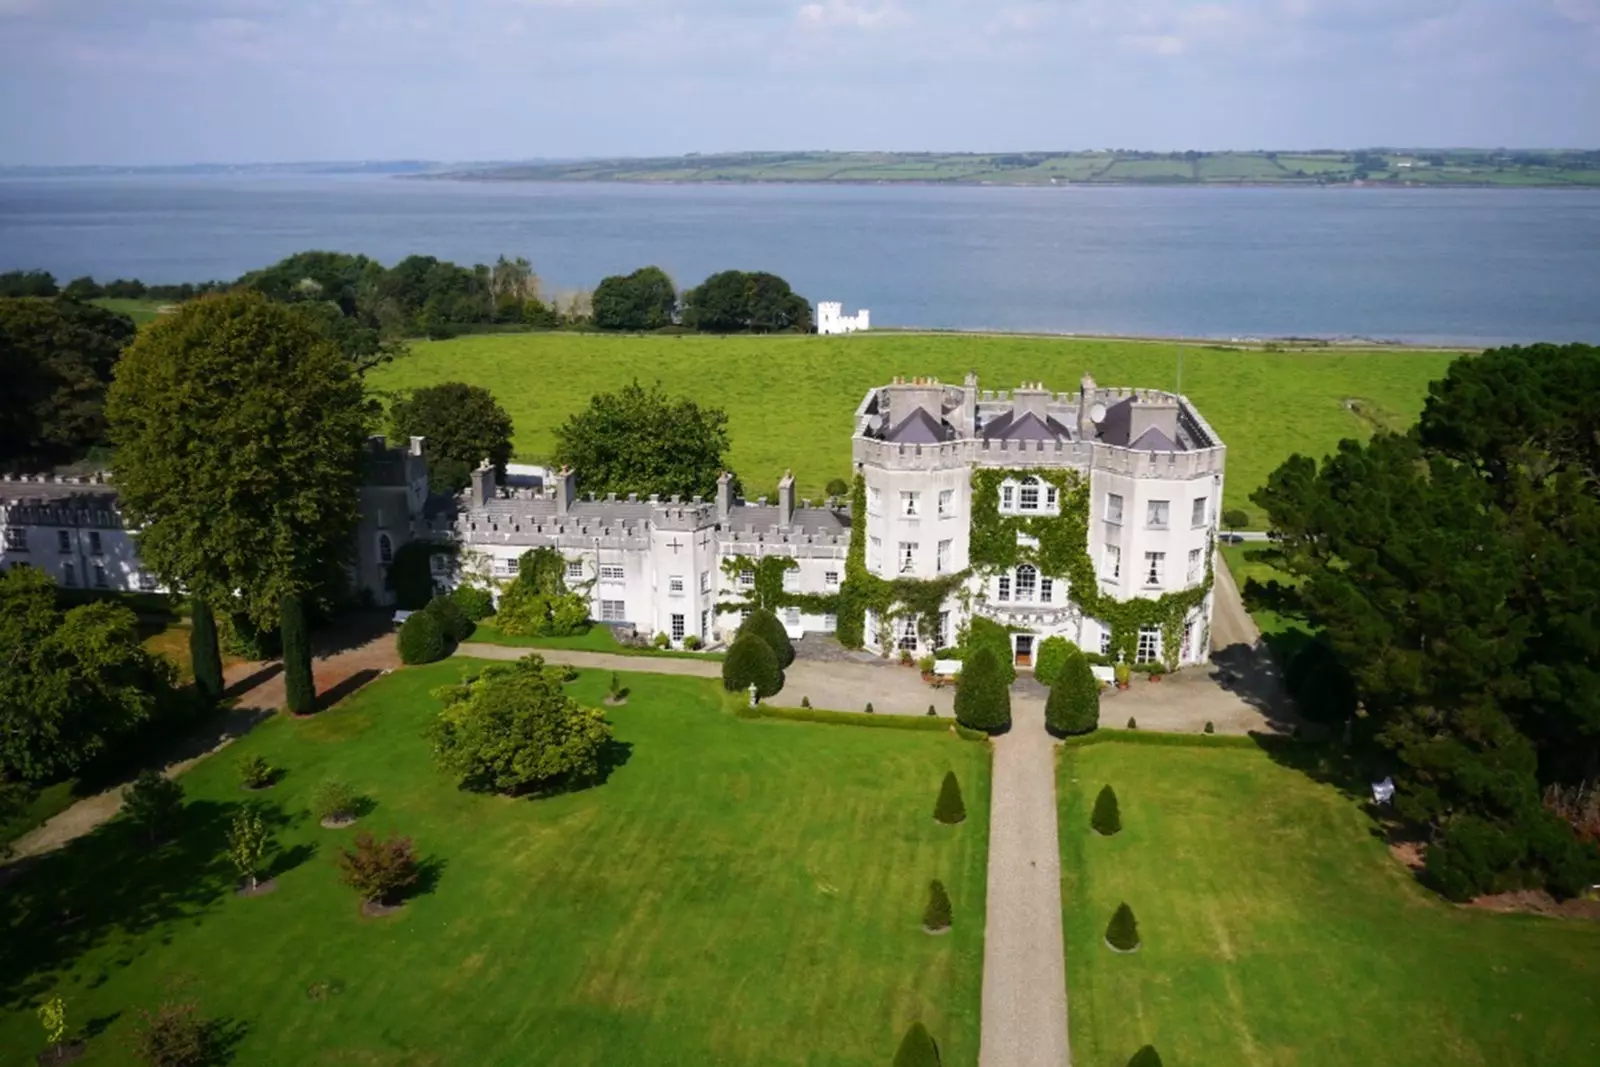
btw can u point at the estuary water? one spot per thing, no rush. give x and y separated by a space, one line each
1423 265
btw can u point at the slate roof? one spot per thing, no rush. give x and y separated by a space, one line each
1117 424
1154 440
1029 427
918 428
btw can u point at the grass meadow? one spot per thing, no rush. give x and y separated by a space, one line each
790 399
735 892
1278 931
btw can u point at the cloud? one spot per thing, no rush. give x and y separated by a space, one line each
832 13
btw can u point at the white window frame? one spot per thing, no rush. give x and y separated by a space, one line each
941 635
1148 649
613 610
508 565
1114 508
910 503
16 539
1158 514
574 569
1052 499
874 501
1027 587
947 499
791 580
1105 641
747 579
675 584
705 581
1155 568
942 556
830 579
875 552
613 572
1197 512
908 556
147 582
1028 496
1047 589
1008 497
1113 563
907 640
678 628
791 617
1196 561
1003 588
830 623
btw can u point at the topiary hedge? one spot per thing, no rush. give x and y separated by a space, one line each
985 633
936 916
1050 658
1146 1057
452 620
765 625
1122 933
475 602
422 639
1074 703
1107 816
983 696
751 660
950 808
917 1049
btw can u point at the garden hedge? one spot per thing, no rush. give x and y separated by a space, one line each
1049 659
1122 933
983 697
1074 704
950 808
765 625
475 603
751 660
1107 816
422 639
452 619
917 1049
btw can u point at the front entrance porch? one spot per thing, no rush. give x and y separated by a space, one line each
1022 650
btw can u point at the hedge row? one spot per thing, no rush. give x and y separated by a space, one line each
856 718
1155 737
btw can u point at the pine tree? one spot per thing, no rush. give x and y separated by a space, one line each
205 654
1122 933
950 809
936 916
917 1049
1107 817
299 688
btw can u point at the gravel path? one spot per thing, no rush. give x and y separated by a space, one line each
1024 962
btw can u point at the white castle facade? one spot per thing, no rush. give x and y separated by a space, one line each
1147 465
831 319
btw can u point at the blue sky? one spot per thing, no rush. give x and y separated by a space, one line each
147 81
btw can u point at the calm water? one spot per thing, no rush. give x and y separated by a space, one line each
1426 265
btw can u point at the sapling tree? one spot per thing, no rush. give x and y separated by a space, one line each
936 916
378 870
1107 816
153 803
334 801
173 1035
53 1017
949 808
247 845
254 772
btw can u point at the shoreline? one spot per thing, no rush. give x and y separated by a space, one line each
488 179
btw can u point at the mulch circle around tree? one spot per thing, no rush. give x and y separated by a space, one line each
66 1052
338 822
260 889
376 909
617 703
1124 951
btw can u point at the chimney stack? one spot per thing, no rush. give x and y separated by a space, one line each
1086 428
724 496
483 484
786 500
566 490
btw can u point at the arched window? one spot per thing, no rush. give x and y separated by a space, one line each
1027 583
385 549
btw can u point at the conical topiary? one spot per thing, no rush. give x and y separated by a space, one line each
917 1049
950 809
1146 1057
1133 723
765 625
936 916
1122 933
1107 817
983 696
1074 703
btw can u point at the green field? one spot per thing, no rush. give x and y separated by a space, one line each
738 892
791 400
141 312
1278 931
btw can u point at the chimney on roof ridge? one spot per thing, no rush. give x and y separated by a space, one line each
482 484
786 500
566 490
724 495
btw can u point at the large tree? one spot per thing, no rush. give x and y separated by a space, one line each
734 301
643 300
70 683
239 429
463 425
642 441
56 358
1453 573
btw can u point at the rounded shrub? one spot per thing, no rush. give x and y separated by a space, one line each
950 808
1050 658
869 707
475 603
765 625
805 702
932 713
1122 933
983 696
452 620
936 916
1146 1057
751 660
1211 728
1107 816
917 1049
421 639
1074 703
1133 724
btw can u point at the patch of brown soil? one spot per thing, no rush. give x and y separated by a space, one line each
338 822
374 909
1538 902
66 1052
260 889
1409 853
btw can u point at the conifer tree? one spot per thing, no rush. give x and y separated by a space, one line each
936 916
950 809
917 1049
1147 1056
1107 817
205 653
1122 933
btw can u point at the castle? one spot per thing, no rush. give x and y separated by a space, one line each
1047 513
832 319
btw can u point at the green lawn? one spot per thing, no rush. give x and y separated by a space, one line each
595 639
790 400
1277 930
141 312
1245 561
737 892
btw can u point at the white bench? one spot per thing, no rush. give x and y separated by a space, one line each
947 668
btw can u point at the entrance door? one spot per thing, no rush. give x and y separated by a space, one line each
1025 650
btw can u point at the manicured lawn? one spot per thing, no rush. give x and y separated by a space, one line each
1277 930
790 400
595 639
1246 561
736 892
142 312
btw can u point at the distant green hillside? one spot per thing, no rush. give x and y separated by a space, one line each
1374 166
